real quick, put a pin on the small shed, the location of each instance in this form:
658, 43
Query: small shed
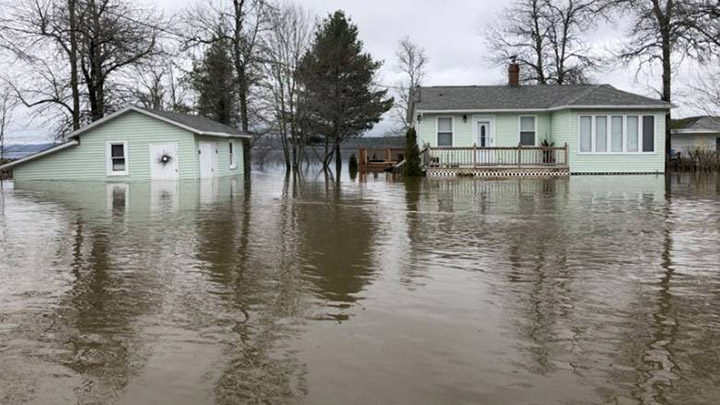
137, 144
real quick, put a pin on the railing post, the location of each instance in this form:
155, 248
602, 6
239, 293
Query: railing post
519, 155
567, 151
474, 156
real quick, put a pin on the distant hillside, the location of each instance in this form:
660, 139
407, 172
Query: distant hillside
273, 142
19, 151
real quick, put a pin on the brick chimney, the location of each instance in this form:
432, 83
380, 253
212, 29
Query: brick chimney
514, 73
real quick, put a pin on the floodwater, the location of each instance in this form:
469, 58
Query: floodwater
586, 290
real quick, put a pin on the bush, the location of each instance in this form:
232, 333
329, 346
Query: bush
353, 163
412, 155
697, 160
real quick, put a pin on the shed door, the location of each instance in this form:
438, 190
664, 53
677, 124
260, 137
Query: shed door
164, 161
208, 159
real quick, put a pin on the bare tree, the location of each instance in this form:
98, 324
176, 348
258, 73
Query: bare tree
7, 105
283, 48
544, 36
668, 32
706, 93
411, 62
159, 86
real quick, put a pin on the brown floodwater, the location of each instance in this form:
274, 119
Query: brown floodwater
586, 290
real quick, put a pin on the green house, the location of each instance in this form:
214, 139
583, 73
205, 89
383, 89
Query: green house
136, 144
591, 128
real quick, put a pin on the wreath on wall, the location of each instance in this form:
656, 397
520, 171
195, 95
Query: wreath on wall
165, 159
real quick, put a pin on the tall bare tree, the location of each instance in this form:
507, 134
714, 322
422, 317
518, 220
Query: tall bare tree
706, 93
545, 38
412, 63
667, 32
283, 47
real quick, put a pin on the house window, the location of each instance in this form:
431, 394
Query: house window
232, 156
585, 134
648, 130
117, 164
527, 131
445, 132
616, 134
717, 144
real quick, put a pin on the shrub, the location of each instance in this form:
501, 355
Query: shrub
412, 155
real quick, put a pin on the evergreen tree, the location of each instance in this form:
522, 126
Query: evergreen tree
337, 79
412, 155
214, 80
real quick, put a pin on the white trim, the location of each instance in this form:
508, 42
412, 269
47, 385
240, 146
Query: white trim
493, 127
34, 156
232, 152
593, 129
535, 118
152, 115
108, 158
694, 132
532, 110
452, 132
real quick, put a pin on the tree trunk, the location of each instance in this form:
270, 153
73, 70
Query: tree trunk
338, 159
667, 84
74, 85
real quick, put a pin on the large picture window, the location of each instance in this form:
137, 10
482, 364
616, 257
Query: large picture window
445, 131
117, 164
616, 134
527, 131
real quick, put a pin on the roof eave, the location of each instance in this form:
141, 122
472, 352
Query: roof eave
546, 109
34, 156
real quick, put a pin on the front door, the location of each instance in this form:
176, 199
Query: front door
208, 160
164, 161
484, 139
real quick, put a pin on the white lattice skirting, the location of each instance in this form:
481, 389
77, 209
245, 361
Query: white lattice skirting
495, 173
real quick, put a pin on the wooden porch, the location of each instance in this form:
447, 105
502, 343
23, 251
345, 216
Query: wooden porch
495, 161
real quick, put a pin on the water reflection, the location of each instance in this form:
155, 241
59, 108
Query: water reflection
319, 289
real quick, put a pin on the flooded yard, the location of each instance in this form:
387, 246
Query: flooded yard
581, 290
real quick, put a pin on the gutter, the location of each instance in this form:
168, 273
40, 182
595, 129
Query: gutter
54, 149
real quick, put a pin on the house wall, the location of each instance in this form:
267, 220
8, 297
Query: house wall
507, 128
559, 127
684, 143
565, 128
88, 161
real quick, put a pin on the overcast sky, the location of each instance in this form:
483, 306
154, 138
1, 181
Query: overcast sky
451, 33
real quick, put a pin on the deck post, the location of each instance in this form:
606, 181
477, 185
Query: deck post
519, 155
567, 152
474, 156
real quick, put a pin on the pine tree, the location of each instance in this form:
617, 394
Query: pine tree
412, 168
214, 80
337, 79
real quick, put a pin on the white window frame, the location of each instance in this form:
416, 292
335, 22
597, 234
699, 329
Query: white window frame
535, 120
593, 129
108, 158
452, 130
232, 151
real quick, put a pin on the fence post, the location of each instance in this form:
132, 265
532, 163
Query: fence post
519, 155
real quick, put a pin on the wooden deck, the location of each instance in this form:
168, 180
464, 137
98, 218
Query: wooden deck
379, 159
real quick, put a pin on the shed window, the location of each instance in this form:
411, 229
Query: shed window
445, 131
527, 131
117, 158
232, 155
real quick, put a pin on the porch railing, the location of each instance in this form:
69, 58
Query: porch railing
489, 157
381, 155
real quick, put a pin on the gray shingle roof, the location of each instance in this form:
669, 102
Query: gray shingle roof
526, 97
703, 123
198, 122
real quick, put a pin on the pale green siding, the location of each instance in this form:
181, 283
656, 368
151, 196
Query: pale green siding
223, 154
559, 127
88, 160
566, 129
